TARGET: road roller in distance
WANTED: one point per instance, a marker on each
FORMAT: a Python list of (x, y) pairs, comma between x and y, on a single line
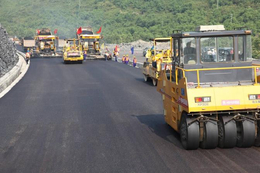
[(46, 43), (72, 51), (90, 42), (211, 96), (158, 57)]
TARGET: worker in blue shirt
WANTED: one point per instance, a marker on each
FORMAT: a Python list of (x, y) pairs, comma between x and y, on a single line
[(132, 50)]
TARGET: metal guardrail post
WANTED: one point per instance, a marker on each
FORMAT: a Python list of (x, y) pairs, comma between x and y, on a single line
[(255, 75), (198, 78)]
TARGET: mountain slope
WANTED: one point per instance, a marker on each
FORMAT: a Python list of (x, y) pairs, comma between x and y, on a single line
[(125, 20)]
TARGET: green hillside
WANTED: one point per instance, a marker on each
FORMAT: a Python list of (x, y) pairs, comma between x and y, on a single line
[(125, 20)]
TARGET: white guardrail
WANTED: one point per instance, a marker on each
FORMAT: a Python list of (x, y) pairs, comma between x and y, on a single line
[(11, 78)]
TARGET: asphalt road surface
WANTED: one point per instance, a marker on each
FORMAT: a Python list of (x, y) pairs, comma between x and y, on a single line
[(99, 116)]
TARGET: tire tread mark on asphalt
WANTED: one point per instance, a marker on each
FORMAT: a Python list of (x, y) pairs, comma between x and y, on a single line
[(8, 149), (106, 126), (140, 134)]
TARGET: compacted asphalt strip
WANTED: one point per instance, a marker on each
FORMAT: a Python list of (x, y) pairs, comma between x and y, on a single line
[(99, 116)]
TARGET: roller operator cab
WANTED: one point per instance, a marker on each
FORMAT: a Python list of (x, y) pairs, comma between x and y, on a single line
[(212, 94), (72, 51), (157, 59)]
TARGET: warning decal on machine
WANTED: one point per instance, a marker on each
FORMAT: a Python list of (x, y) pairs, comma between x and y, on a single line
[(230, 102)]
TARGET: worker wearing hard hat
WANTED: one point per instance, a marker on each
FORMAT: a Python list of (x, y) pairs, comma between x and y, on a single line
[(27, 57), (85, 55), (123, 59), (134, 61), (127, 59), (116, 52)]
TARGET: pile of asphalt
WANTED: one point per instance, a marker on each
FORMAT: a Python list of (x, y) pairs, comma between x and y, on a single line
[(8, 52)]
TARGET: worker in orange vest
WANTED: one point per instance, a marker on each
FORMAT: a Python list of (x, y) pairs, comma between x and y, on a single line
[(85, 55), (134, 62), (123, 59), (126, 59), (27, 57)]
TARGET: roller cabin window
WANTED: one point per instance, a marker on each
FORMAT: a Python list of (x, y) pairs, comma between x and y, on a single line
[(244, 48), (188, 51), (216, 49)]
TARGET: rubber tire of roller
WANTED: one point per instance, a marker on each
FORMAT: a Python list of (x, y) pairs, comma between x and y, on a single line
[(146, 78), (189, 135), (257, 140), (210, 135), (227, 133), (246, 137), (154, 82)]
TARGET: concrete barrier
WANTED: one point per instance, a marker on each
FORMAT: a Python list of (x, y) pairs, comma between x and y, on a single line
[(14, 75)]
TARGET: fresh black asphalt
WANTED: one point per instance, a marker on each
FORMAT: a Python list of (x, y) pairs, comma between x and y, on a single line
[(99, 116)]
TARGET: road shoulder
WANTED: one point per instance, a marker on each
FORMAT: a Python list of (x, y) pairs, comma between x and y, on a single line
[(11, 78)]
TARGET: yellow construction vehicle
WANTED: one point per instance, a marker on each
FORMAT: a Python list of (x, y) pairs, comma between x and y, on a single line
[(45, 43), (212, 94), (72, 51), (257, 63), (157, 58), (27, 43), (90, 42)]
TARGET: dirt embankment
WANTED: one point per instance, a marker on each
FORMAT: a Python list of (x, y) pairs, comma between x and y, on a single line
[(139, 45)]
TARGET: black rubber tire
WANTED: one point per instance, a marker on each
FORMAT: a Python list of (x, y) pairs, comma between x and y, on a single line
[(210, 135), (80, 62), (146, 78), (245, 133), (227, 133), (190, 138), (257, 140), (65, 62), (154, 82)]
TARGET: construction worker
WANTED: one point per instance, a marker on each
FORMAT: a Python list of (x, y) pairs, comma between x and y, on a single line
[(148, 55), (85, 55), (116, 52), (134, 62), (127, 59), (116, 58), (31, 52), (107, 54), (123, 59), (154, 61), (159, 63), (132, 50), (27, 57)]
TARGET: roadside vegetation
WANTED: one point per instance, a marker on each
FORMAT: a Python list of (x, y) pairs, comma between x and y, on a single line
[(125, 20)]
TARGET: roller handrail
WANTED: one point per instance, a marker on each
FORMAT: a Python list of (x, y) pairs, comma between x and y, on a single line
[(211, 69)]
